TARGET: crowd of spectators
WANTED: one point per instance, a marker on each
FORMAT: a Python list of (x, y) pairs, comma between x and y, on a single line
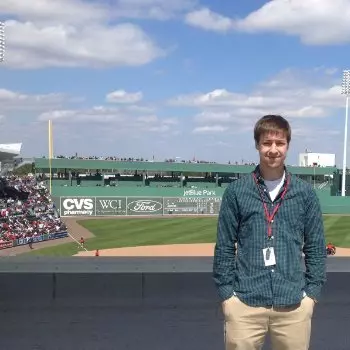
[(26, 209), (130, 159), (169, 160)]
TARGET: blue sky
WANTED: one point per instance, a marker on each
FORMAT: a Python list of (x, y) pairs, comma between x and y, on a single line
[(143, 78)]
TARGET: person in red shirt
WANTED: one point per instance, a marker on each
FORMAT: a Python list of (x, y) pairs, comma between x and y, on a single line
[(331, 249)]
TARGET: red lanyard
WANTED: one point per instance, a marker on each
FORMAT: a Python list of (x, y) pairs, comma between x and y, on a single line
[(269, 217)]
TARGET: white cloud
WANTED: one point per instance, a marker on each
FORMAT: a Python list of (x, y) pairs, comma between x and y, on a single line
[(155, 9), (291, 93), (17, 101), (31, 45), (208, 116), (124, 118), (79, 11), (99, 114), (159, 128), (279, 92), (119, 119), (315, 22), (170, 121), (222, 97), (209, 129), (121, 96), (148, 119), (206, 19), (75, 33), (62, 11)]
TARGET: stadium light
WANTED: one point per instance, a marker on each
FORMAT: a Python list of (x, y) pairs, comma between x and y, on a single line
[(2, 41), (345, 91)]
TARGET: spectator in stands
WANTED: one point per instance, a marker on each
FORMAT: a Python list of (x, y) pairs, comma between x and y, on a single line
[(34, 216), (272, 216)]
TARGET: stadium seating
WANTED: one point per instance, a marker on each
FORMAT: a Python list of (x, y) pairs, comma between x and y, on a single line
[(26, 211)]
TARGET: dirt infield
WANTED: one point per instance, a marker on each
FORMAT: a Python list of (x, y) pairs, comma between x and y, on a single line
[(203, 249)]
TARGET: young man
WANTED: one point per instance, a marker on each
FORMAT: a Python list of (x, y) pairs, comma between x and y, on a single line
[(267, 220)]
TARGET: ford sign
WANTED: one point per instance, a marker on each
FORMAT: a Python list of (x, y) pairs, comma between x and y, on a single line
[(145, 206)]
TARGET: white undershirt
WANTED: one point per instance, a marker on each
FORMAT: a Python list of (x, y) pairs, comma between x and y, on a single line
[(274, 186)]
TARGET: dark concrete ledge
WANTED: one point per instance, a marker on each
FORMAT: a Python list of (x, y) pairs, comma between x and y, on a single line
[(130, 289), (33, 264)]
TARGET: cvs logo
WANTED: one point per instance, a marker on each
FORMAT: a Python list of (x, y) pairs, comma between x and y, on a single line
[(78, 203), (78, 206)]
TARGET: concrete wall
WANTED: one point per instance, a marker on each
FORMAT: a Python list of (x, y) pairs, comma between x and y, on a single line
[(103, 303), (121, 289)]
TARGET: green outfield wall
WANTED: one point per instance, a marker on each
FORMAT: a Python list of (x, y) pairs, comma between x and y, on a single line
[(334, 204), (133, 201), (136, 191)]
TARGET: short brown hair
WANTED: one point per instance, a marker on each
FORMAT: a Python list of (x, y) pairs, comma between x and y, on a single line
[(272, 123)]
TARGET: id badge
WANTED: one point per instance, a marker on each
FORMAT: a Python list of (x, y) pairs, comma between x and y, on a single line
[(269, 256)]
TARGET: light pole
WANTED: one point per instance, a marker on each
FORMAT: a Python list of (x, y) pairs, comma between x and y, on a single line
[(2, 41), (345, 91)]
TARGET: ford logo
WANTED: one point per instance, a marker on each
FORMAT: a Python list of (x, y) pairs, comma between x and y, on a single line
[(145, 206)]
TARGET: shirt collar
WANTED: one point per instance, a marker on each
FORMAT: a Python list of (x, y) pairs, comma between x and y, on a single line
[(260, 179)]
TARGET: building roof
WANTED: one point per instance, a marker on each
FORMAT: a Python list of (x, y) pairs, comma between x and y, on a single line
[(44, 165), (9, 151)]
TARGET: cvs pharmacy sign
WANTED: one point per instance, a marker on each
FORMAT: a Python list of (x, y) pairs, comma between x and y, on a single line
[(77, 206)]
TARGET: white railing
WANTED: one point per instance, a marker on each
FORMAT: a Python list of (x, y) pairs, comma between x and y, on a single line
[(323, 185)]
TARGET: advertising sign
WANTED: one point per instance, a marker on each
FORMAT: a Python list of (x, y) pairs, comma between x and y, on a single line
[(41, 238), (77, 206), (136, 206), (144, 206), (4, 245), (110, 206)]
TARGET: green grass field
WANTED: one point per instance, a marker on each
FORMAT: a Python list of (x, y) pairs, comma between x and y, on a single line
[(114, 233)]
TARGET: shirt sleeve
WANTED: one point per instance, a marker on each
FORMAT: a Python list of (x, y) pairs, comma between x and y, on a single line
[(314, 247), (224, 252)]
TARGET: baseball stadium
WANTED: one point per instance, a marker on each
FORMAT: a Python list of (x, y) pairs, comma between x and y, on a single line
[(142, 208), (116, 253), (118, 233)]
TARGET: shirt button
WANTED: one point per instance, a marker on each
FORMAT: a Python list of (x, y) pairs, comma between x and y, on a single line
[(272, 270)]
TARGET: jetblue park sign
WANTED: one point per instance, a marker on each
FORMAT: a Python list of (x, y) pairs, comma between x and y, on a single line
[(133, 206)]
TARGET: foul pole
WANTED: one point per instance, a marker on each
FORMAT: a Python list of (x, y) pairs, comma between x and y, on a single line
[(2, 41), (50, 153)]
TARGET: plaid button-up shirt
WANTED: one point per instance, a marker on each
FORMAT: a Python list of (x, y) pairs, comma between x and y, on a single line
[(297, 227)]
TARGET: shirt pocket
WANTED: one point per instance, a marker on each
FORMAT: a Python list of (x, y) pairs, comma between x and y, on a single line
[(291, 220)]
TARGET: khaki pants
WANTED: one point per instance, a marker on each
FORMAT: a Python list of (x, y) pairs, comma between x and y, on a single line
[(246, 326)]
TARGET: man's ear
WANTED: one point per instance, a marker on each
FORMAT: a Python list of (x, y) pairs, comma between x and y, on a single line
[(256, 146)]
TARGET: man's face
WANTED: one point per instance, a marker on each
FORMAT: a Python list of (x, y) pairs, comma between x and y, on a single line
[(273, 147)]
